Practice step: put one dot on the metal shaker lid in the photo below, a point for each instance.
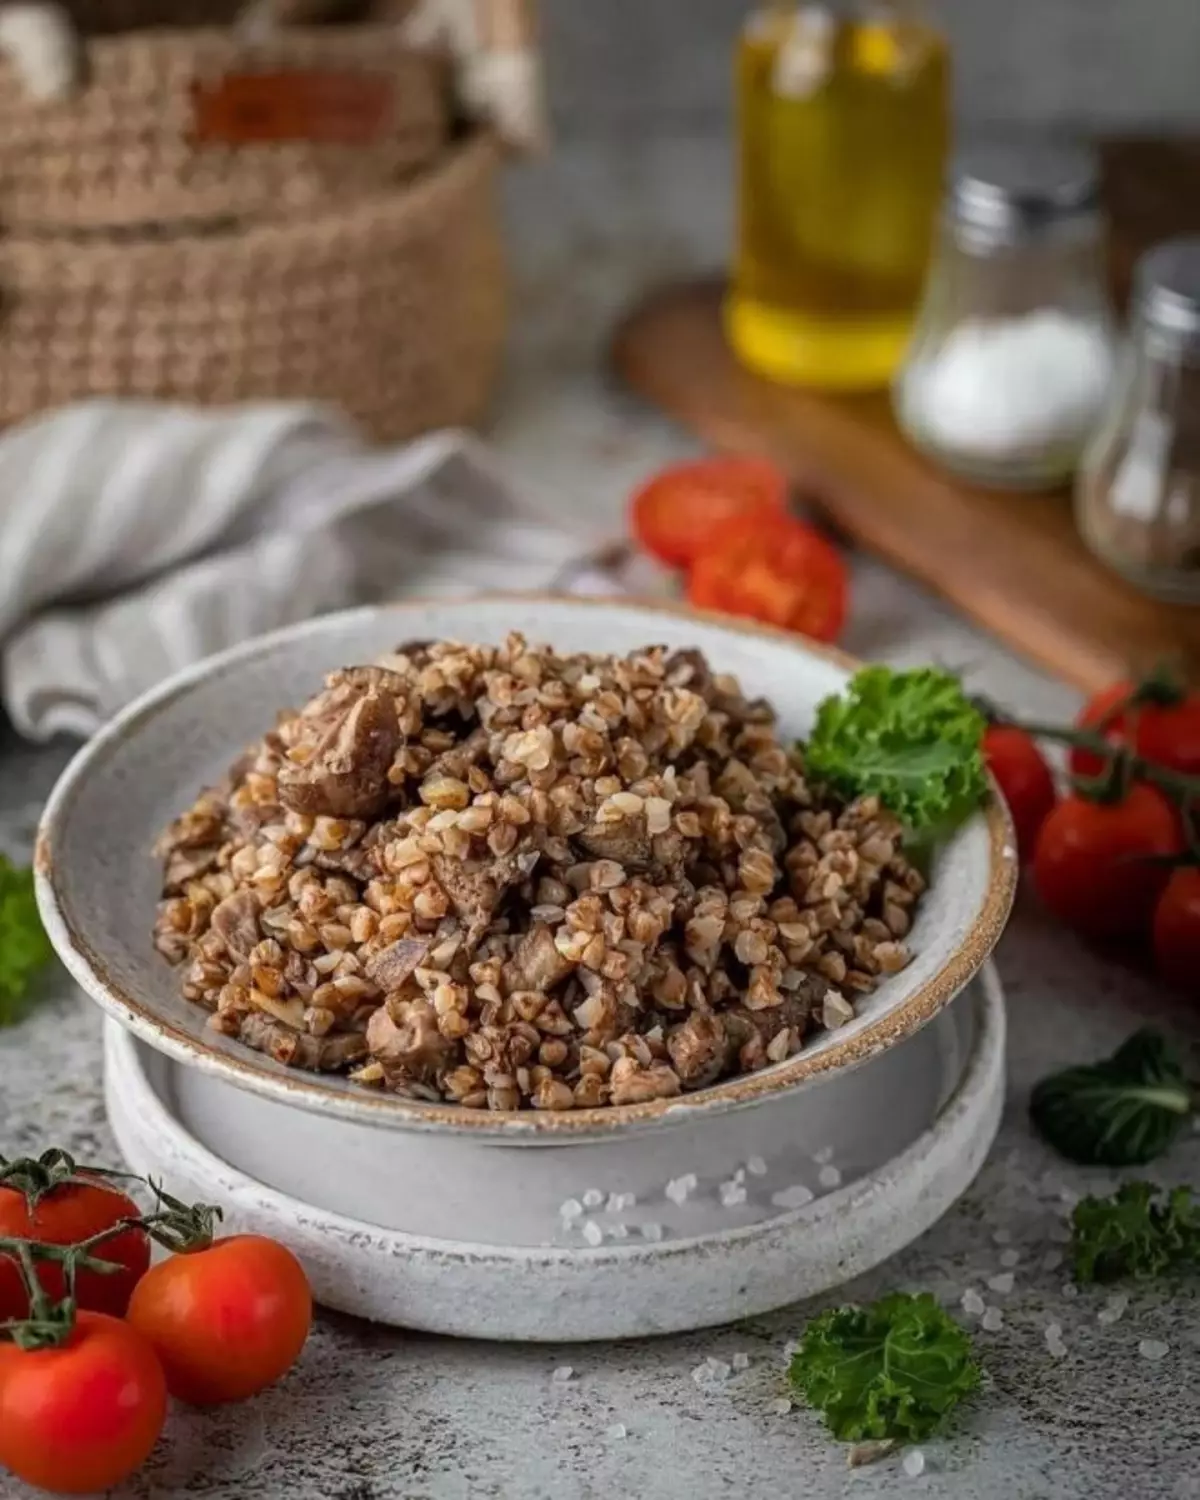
(1014, 190)
(1167, 287)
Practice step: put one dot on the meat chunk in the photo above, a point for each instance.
(701, 1050)
(236, 919)
(403, 1036)
(391, 966)
(537, 964)
(298, 1049)
(627, 842)
(346, 777)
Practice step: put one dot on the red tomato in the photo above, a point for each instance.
(227, 1321)
(1024, 777)
(81, 1417)
(673, 514)
(775, 569)
(66, 1214)
(1177, 930)
(1093, 861)
(1167, 733)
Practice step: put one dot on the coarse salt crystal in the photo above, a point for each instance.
(1010, 1258)
(617, 1430)
(1070, 1289)
(733, 1194)
(678, 1190)
(702, 1375)
(740, 1361)
(1002, 1237)
(791, 1349)
(740, 1175)
(652, 1232)
(795, 1196)
(1056, 1349)
(992, 1320)
(1154, 1349)
(592, 1232)
(972, 1302)
(562, 1373)
(829, 1177)
(913, 1463)
(593, 1198)
(780, 1407)
(823, 1155)
(719, 1369)
(1114, 1309)
(619, 1232)
(1002, 1283)
(756, 1166)
(571, 1209)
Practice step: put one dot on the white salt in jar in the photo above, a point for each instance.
(1013, 353)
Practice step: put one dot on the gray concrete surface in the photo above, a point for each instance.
(373, 1414)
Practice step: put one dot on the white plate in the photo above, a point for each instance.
(908, 1131)
(97, 883)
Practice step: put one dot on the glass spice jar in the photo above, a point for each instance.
(1013, 352)
(1137, 499)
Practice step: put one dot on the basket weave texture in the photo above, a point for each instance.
(391, 305)
(122, 152)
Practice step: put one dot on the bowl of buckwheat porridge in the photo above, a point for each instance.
(528, 869)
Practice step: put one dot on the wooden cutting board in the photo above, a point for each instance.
(1012, 562)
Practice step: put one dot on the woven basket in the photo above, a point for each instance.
(122, 153)
(392, 307)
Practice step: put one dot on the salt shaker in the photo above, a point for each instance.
(1013, 352)
(1137, 499)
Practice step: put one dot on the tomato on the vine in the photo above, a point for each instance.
(69, 1212)
(775, 569)
(673, 514)
(1177, 930)
(226, 1321)
(1167, 733)
(84, 1415)
(1020, 768)
(1098, 865)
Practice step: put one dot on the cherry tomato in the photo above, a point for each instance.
(1024, 777)
(1167, 733)
(673, 514)
(227, 1321)
(1177, 930)
(774, 569)
(66, 1214)
(1093, 862)
(81, 1417)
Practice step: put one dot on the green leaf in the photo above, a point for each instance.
(1139, 1232)
(24, 946)
(1121, 1112)
(912, 739)
(896, 1369)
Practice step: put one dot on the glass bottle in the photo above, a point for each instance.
(843, 120)
(1137, 501)
(1012, 356)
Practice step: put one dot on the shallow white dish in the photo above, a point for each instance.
(462, 1237)
(97, 883)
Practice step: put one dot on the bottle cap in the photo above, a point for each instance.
(1167, 288)
(1018, 191)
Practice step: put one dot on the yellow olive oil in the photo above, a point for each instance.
(843, 128)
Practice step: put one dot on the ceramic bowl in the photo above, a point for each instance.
(97, 882)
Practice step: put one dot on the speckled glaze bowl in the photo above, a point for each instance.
(97, 882)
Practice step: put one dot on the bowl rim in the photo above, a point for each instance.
(308, 1090)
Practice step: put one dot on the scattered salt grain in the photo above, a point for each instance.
(780, 1407)
(756, 1166)
(830, 1177)
(972, 1302)
(823, 1155)
(795, 1196)
(1010, 1258)
(740, 1361)
(592, 1232)
(1052, 1260)
(619, 1202)
(1114, 1309)
(1002, 1237)
(617, 1430)
(652, 1232)
(1054, 1340)
(562, 1373)
(992, 1320)
(571, 1210)
(593, 1198)
(791, 1348)
(680, 1189)
(740, 1175)
(1002, 1283)
(1070, 1289)
(1154, 1349)
(914, 1463)
(733, 1194)
(619, 1232)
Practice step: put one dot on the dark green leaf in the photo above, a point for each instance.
(24, 946)
(912, 739)
(1119, 1113)
(1140, 1232)
(895, 1369)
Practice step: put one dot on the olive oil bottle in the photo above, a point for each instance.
(843, 127)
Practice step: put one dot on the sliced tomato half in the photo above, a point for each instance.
(673, 514)
(775, 569)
